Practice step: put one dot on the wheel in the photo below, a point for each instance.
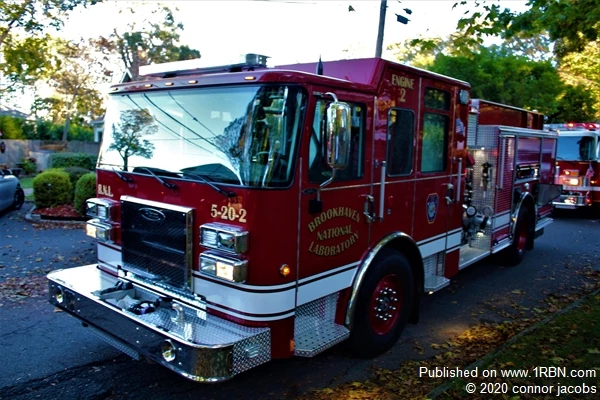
(19, 199)
(521, 240)
(384, 304)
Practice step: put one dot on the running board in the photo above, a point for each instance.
(433, 283)
(543, 223)
(315, 329)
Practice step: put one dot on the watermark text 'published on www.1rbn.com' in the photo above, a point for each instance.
(497, 388)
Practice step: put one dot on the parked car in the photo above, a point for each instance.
(11, 193)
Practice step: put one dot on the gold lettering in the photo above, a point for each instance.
(402, 81)
(327, 251)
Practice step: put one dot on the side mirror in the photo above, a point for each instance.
(339, 123)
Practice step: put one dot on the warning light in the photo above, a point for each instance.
(285, 270)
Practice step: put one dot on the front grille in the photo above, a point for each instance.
(157, 241)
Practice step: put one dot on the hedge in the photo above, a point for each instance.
(85, 189)
(74, 174)
(81, 160)
(52, 188)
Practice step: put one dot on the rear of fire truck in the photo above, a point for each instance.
(578, 167)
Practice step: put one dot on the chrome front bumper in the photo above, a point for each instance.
(571, 201)
(179, 335)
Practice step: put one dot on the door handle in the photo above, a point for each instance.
(449, 193)
(369, 208)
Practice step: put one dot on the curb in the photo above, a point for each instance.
(443, 387)
(38, 219)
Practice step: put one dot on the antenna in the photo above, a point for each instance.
(320, 66)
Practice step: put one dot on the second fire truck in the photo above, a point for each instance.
(577, 165)
(245, 213)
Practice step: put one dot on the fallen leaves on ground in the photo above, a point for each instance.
(17, 289)
(459, 352)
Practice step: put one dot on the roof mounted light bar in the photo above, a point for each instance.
(250, 62)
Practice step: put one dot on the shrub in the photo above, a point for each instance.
(84, 189)
(82, 160)
(10, 127)
(29, 165)
(52, 188)
(74, 174)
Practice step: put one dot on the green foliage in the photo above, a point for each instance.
(81, 160)
(129, 132)
(17, 128)
(576, 104)
(583, 69)
(26, 58)
(497, 75)
(74, 174)
(10, 128)
(28, 166)
(570, 24)
(84, 189)
(75, 83)
(52, 188)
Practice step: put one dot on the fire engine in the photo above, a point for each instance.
(577, 170)
(246, 213)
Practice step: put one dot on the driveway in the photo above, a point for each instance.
(47, 354)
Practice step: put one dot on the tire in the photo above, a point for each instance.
(383, 306)
(19, 199)
(521, 240)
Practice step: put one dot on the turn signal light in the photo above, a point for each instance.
(285, 270)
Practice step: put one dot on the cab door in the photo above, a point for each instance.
(333, 230)
(436, 196)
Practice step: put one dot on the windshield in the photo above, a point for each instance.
(580, 148)
(243, 136)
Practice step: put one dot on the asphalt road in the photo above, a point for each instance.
(48, 355)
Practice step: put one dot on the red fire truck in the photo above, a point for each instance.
(245, 213)
(578, 169)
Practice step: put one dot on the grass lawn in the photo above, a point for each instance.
(549, 357)
(27, 182)
(542, 359)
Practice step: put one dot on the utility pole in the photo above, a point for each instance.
(382, 11)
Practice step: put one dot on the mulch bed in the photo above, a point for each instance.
(59, 213)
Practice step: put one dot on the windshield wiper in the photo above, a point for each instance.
(164, 183)
(225, 193)
(123, 177)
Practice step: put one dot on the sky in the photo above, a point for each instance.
(286, 30)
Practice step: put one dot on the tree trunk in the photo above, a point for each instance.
(66, 129)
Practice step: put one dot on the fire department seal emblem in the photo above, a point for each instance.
(431, 207)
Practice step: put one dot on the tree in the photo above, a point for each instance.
(155, 42)
(497, 75)
(576, 104)
(127, 135)
(75, 82)
(583, 69)
(570, 24)
(22, 42)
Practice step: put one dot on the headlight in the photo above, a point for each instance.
(99, 230)
(571, 181)
(232, 239)
(102, 211)
(221, 267)
(100, 208)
